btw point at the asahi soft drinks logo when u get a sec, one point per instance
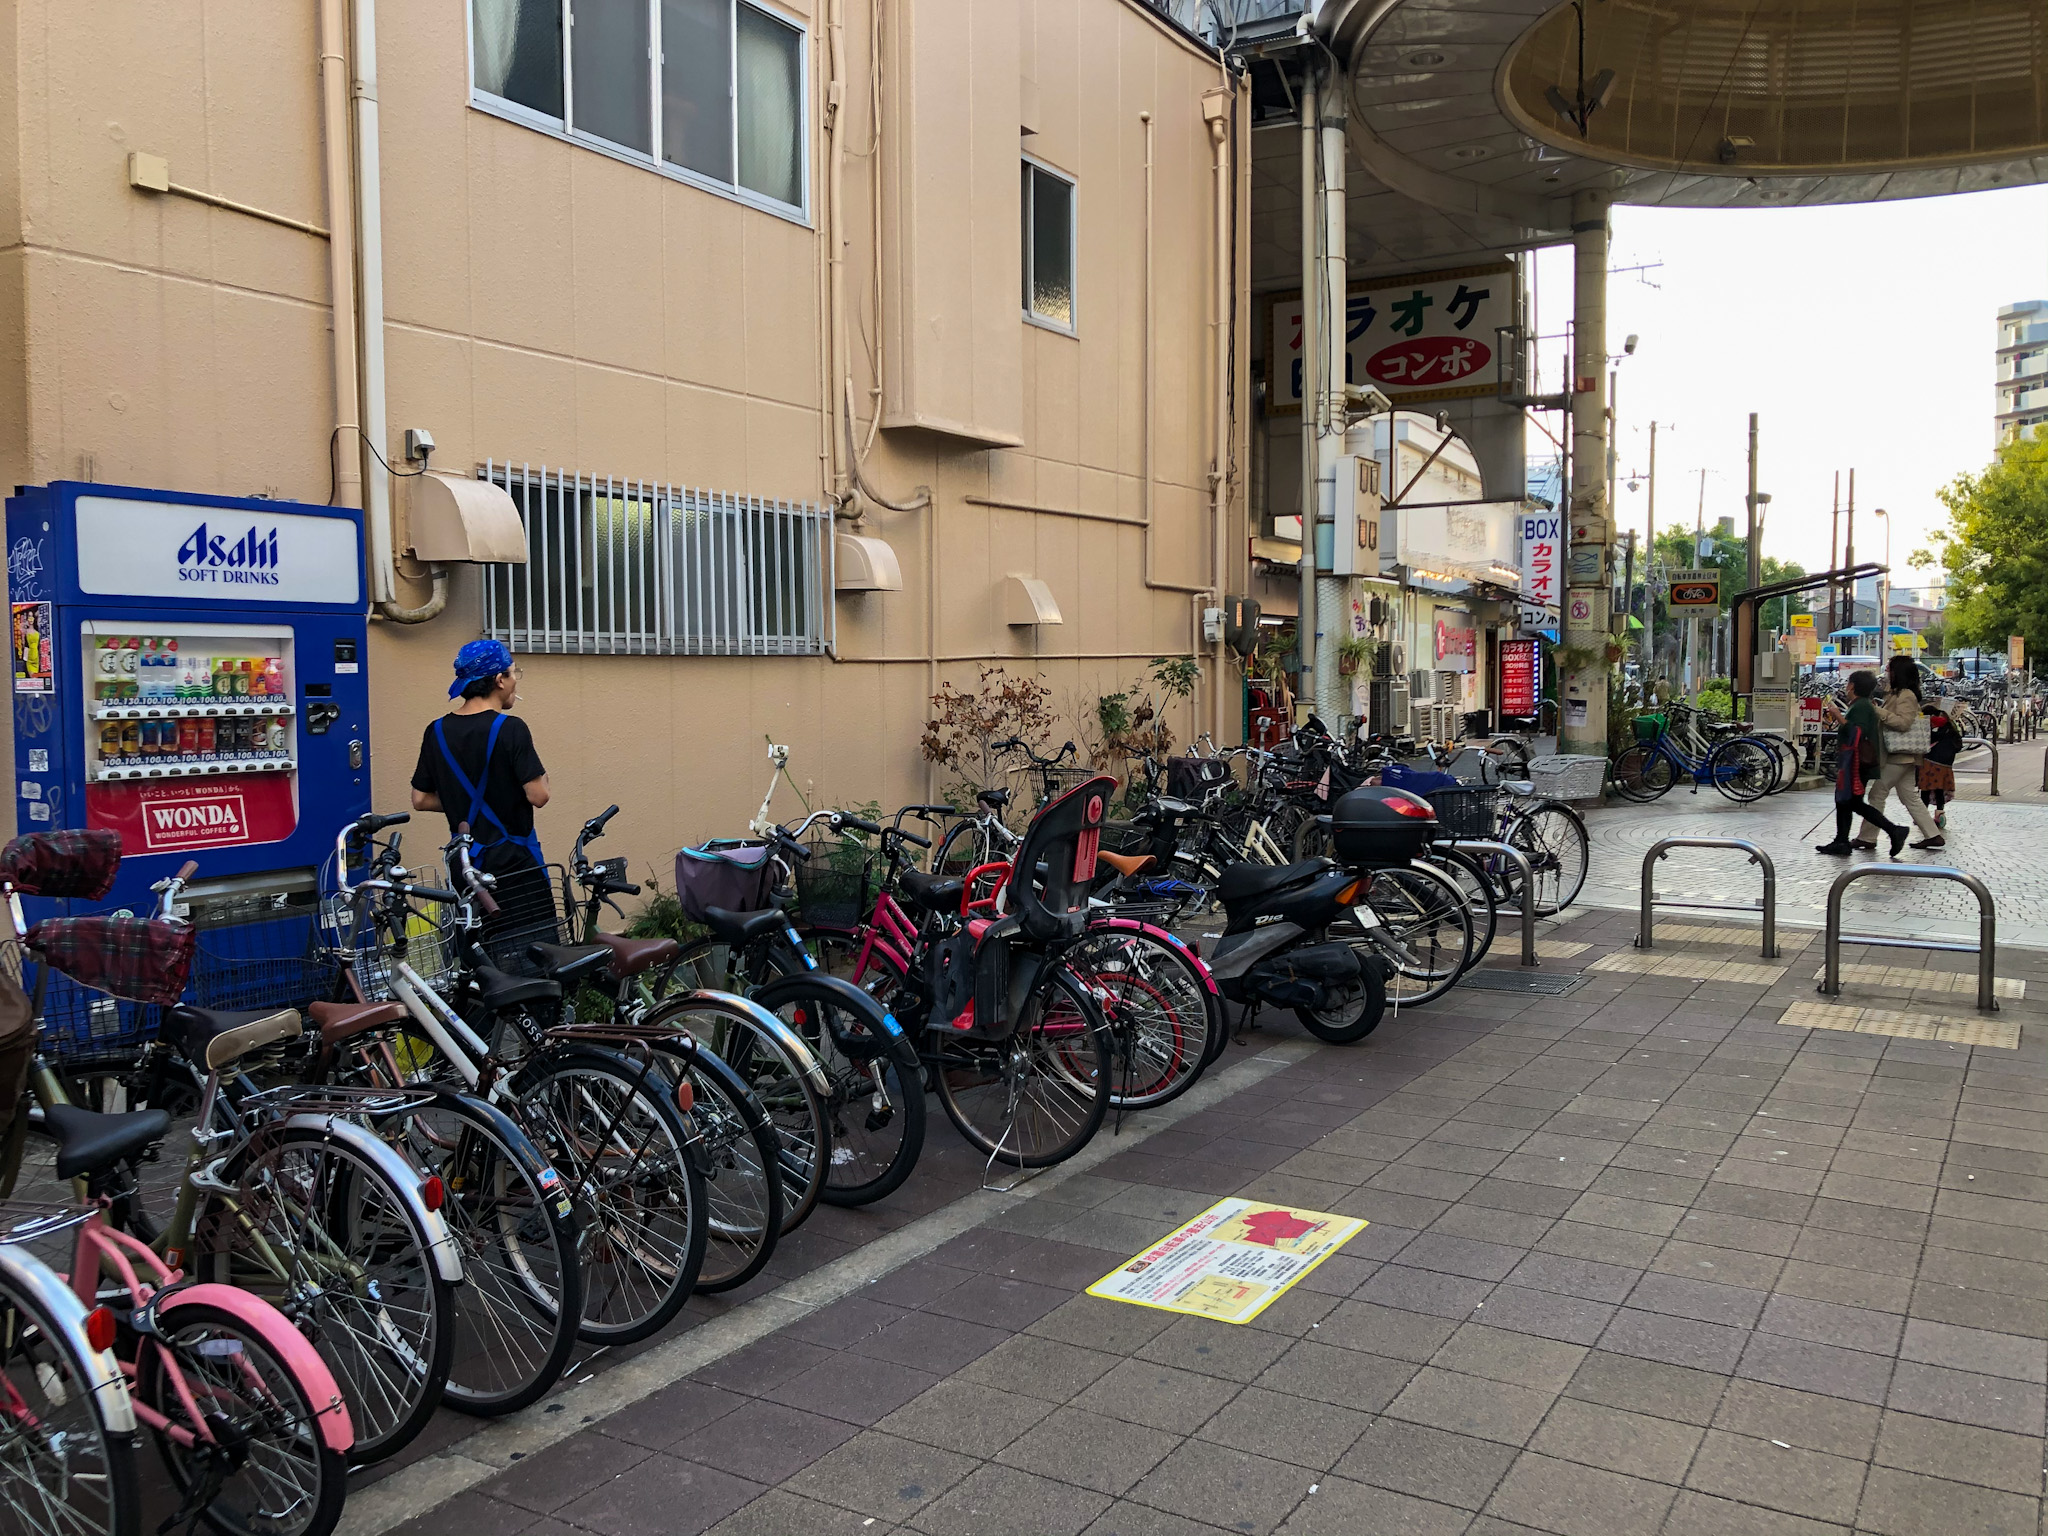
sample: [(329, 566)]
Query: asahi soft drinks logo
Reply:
[(248, 558), (207, 823)]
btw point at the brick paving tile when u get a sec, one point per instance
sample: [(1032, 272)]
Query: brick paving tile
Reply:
[(882, 1475), (1988, 1458), (1344, 1508), (1346, 1377), (1470, 1405), (1161, 1396), (1798, 1482), (779, 1512), (1807, 1419), (765, 1442), (1635, 1443), (659, 1495), (1005, 1501), (1967, 1397), (1478, 1349), (1702, 1514), (965, 1416), (546, 1482), (1575, 1500), (1428, 1463), (1286, 1428), (1648, 1386), (1124, 1518), (1974, 1349), (1235, 1489), (1090, 1451), (1907, 1504)]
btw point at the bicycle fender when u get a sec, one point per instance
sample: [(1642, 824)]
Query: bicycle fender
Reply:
[(21, 1271), (507, 1130), (1153, 931), (404, 1177), (330, 1409), (881, 1024), (786, 1037)]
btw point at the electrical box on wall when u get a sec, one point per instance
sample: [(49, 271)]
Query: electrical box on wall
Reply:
[(1351, 546)]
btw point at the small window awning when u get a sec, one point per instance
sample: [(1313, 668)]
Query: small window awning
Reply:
[(453, 519)]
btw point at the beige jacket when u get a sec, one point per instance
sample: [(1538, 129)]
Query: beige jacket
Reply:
[(1899, 709)]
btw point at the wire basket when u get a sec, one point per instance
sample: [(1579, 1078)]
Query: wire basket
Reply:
[(360, 949), (1051, 783), (1469, 811), (1568, 778), (835, 885), (238, 967)]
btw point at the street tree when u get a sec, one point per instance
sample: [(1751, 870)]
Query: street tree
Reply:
[(1995, 549)]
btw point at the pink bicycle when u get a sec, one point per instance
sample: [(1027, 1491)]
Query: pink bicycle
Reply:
[(246, 1416)]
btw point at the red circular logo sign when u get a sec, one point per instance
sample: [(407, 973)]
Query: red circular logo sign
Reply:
[(1094, 809)]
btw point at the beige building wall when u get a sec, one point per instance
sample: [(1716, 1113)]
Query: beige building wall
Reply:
[(547, 303)]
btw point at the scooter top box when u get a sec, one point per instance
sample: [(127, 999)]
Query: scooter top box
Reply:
[(1378, 828)]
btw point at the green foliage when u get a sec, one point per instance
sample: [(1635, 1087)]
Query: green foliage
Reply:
[(662, 917), (1995, 549), (1717, 698), (1676, 551), (1176, 675), (1113, 713)]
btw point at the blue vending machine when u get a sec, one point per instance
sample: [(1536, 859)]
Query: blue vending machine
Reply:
[(189, 671)]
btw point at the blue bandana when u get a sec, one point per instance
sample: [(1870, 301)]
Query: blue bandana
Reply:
[(479, 659)]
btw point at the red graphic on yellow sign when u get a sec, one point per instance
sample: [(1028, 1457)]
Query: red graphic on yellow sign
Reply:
[(1231, 1262)]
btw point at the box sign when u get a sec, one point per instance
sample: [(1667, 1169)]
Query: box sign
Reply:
[(187, 815), (1421, 336), (1802, 621), (1519, 680), (164, 549), (1695, 589), (1540, 537), (2016, 651)]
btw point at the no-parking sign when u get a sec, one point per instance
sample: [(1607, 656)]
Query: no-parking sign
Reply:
[(1695, 589)]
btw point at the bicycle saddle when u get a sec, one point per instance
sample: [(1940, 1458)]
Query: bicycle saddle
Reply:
[(742, 928), (497, 989), (995, 799), (632, 956), (1127, 864), (935, 893), (214, 1037), (344, 1021), (88, 1141), (569, 964)]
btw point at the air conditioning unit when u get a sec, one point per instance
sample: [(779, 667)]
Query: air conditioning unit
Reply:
[(1422, 722), (1422, 686), (1449, 687), (1389, 705)]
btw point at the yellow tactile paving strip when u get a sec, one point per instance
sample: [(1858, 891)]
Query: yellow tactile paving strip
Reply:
[(1690, 968), (1915, 979), (1998, 1034), (1700, 933), (1558, 949)]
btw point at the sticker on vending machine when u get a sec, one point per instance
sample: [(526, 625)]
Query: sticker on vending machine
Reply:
[(32, 631)]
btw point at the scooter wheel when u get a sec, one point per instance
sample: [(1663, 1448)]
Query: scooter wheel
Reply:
[(1351, 1020)]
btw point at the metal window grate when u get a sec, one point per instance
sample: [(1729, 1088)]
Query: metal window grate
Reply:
[(630, 567)]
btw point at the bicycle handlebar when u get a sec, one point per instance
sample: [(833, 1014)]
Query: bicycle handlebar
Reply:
[(910, 837), (475, 882), (841, 820)]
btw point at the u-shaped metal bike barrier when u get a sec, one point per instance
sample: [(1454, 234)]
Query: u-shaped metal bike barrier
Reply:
[(1482, 845), (1985, 949), (1646, 937), (1992, 743)]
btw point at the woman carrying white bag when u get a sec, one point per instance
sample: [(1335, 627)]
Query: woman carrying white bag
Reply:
[(1906, 740)]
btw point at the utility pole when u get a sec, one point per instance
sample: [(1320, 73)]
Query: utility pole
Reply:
[(1650, 564), (1693, 674), (1311, 390), (1849, 548), (1835, 564), (1756, 553)]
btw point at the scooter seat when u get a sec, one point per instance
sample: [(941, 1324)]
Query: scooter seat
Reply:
[(1249, 882)]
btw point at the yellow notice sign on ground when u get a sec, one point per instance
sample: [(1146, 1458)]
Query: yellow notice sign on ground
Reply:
[(1231, 1262)]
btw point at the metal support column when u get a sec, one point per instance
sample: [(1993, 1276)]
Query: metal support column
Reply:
[(1583, 728), (1333, 606)]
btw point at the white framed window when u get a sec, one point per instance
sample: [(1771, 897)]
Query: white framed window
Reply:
[(635, 568), (1049, 247), (712, 92)]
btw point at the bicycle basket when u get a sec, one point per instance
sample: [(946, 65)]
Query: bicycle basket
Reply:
[(1051, 783), (834, 886), (1649, 727), (725, 872), (1191, 778), (1467, 811), (133, 957), (68, 862), (1568, 778)]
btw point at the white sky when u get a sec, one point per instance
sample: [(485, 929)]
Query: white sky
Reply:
[(1862, 335)]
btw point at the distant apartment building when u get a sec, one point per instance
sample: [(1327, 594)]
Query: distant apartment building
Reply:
[(2022, 368)]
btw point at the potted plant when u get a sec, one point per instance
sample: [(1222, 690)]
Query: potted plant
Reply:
[(1355, 654)]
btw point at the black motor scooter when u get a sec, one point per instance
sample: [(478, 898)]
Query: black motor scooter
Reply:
[(1273, 949)]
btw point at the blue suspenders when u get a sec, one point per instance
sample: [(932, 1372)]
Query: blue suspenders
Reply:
[(479, 810)]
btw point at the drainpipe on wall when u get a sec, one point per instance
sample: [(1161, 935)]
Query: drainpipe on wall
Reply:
[(1219, 110), (344, 459), (369, 226)]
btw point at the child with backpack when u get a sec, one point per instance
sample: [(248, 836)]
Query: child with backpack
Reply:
[(1938, 766)]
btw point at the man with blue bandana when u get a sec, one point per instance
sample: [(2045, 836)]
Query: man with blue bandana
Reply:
[(478, 764)]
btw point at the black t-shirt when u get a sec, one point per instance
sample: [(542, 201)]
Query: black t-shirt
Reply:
[(514, 765)]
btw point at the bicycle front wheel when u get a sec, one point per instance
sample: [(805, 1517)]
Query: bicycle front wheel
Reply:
[(1423, 926), (62, 1471), (1036, 1098), (614, 1134), (318, 1230), (1157, 1008), (1553, 837), (257, 1438)]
